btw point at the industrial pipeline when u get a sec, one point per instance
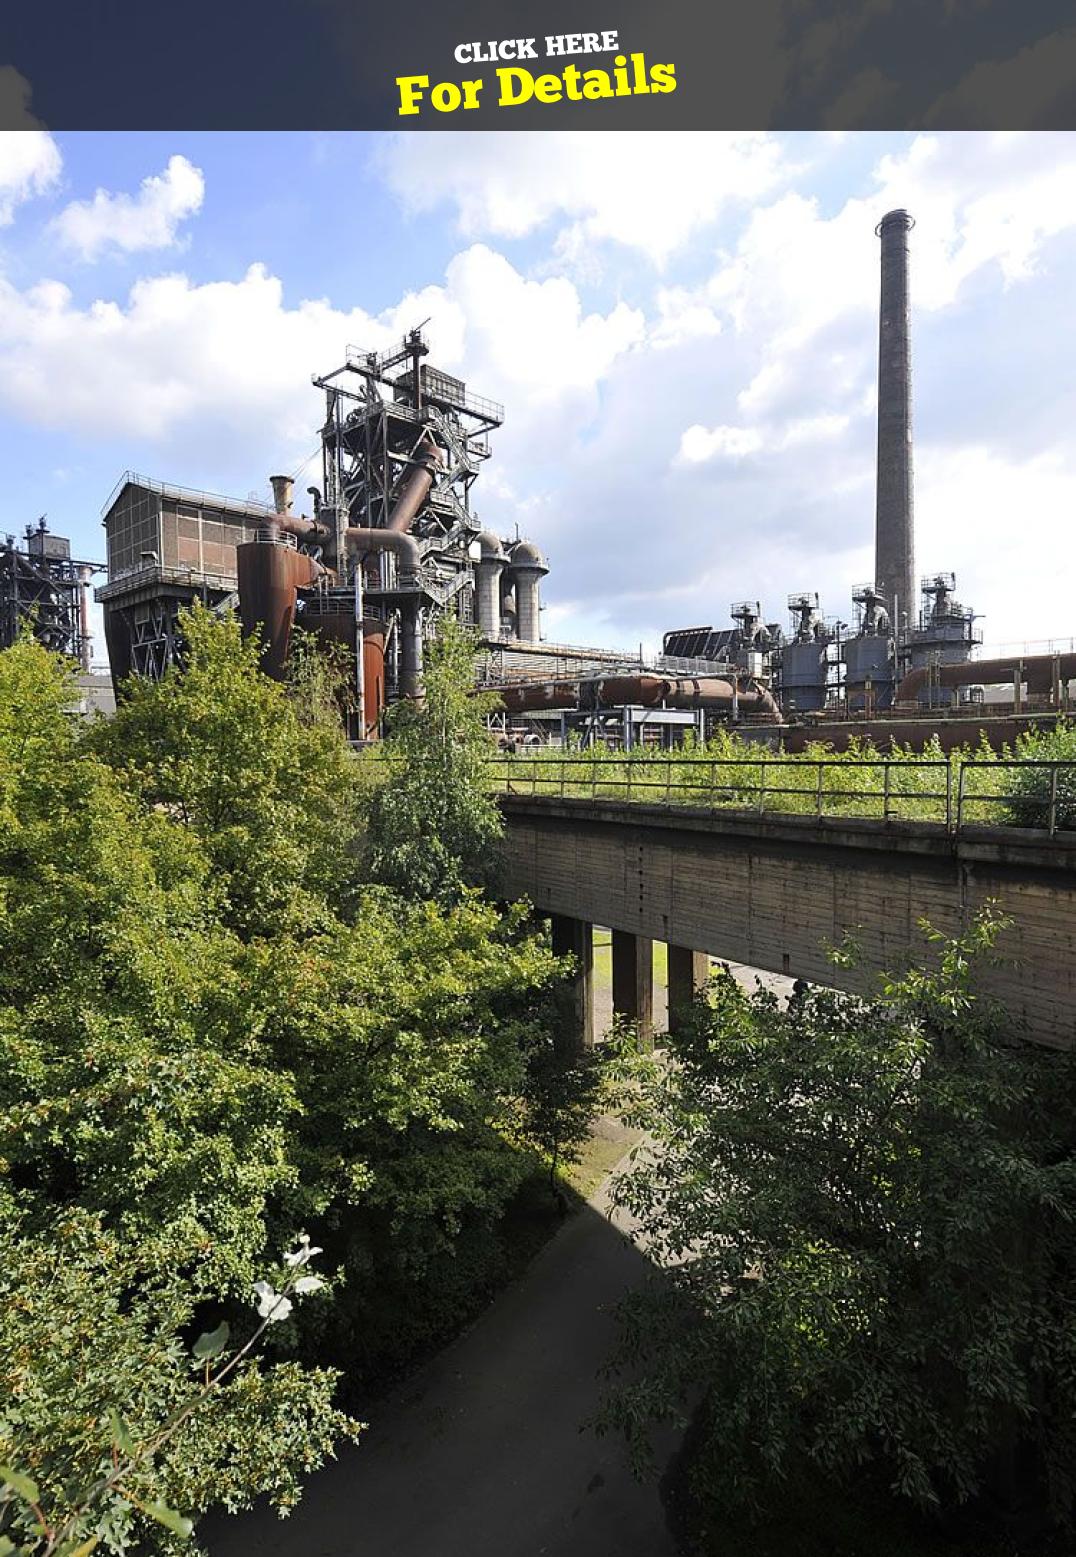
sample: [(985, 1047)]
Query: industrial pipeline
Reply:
[(731, 694), (1041, 673)]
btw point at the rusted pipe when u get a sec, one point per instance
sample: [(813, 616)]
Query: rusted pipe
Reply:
[(528, 696), (415, 485), (643, 691), (404, 548), (1037, 670), (361, 542), (687, 692)]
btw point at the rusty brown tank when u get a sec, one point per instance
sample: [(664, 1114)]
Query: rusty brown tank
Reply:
[(270, 576), (339, 627)]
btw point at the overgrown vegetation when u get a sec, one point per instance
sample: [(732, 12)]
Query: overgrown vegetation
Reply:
[(432, 825), (230, 1015), (865, 1211), (901, 784)]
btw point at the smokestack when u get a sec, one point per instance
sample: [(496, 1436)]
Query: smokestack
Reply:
[(85, 641), (894, 563), (283, 487)]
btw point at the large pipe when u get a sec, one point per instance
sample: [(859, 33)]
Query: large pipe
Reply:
[(415, 486), (283, 489), (526, 697), (488, 569), (894, 565), (1037, 670), (360, 542), (404, 547), (688, 692), (643, 691), (85, 639)]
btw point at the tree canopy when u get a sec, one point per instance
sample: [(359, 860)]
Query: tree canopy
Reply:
[(864, 1211), (216, 1032)]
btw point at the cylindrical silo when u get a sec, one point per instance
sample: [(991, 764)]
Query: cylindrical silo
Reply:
[(528, 569), (893, 535), (488, 569)]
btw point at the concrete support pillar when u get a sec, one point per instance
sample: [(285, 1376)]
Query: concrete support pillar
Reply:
[(688, 973), (576, 938), (633, 981)]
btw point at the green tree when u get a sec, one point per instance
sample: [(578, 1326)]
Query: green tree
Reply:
[(110, 1424), (222, 750), (432, 826), (1041, 796), (144, 1141), (865, 1211)]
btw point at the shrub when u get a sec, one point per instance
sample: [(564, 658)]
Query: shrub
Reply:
[(866, 1214)]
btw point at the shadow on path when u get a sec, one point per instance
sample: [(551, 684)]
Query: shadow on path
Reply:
[(483, 1453)]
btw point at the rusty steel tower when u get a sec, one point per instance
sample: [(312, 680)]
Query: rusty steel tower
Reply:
[(894, 545)]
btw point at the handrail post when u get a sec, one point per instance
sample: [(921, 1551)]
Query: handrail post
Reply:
[(818, 790), (959, 800), (762, 787), (885, 789), (1052, 822)]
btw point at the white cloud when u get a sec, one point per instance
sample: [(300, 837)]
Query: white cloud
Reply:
[(30, 163), (1007, 522), (700, 444), (148, 220), (647, 192), (197, 369)]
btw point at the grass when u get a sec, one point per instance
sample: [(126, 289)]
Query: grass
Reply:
[(999, 788), (603, 961), (608, 1142)]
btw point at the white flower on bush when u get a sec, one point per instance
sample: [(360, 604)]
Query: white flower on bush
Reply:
[(302, 1254), (272, 1305)]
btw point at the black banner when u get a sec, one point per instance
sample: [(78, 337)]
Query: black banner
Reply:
[(337, 64)]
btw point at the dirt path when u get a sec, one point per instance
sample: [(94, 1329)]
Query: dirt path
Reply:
[(485, 1453)]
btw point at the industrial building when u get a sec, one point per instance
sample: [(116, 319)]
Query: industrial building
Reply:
[(904, 667), (393, 540), (42, 587)]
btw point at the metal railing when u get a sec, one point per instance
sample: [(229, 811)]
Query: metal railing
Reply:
[(888, 789)]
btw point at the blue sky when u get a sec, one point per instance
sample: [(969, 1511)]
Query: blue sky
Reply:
[(682, 327)]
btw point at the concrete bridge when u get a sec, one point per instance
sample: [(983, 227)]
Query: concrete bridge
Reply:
[(774, 890)]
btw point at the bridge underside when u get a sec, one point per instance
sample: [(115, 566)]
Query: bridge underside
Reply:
[(776, 892)]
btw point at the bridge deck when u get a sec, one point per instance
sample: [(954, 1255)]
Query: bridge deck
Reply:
[(775, 890)]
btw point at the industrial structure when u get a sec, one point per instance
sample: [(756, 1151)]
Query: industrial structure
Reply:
[(393, 541), (45, 589), (904, 668)]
